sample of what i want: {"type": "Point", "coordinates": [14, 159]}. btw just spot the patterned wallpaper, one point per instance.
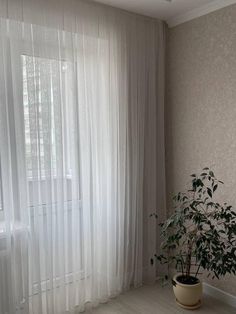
{"type": "Point", "coordinates": [201, 106]}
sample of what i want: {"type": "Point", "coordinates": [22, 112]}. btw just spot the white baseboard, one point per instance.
{"type": "Point", "coordinates": [219, 294]}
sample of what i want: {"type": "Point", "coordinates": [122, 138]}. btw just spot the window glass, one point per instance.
{"type": "Point", "coordinates": [48, 111]}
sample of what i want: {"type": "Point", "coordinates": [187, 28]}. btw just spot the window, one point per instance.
{"type": "Point", "coordinates": [48, 109]}
{"type": "Point", "coordinates": [43, 106]}
{"type": "Point", "coordinates": [47, 115]}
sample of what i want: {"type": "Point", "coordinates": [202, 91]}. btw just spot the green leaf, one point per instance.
{"type": "Point", "coordinates": [215, 187]}
{"type": "Point", "coordinates": [209, 192]}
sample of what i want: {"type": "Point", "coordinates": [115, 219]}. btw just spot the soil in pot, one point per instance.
{"type": "Point", "coordinates": [187, 280]}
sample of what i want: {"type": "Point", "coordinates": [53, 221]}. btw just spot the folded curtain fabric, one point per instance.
{"type": "Point", "coordinates": [82, 153]}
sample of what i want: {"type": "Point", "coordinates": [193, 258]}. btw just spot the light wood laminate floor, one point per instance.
{"type": "Point", "coordinates": [157, 300]}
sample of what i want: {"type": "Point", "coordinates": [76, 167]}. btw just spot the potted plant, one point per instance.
{"type": "Point", "coordinates": [200, 234]}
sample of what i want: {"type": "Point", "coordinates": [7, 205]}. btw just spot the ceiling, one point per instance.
{"type": "Point", "coordinates": [173, 11]}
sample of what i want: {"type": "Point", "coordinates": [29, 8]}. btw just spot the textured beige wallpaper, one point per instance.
{"type": "Point", "coordinates": [201, 105]}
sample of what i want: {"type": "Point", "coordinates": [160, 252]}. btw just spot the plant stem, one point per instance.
{"type": "Point", "coordinates": [197, 270]}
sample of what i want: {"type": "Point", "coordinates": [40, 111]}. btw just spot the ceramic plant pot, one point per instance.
{"type": "Point", "coordinates": [189, 294]}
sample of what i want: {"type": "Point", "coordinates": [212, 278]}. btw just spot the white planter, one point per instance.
{"type": "Point", "coordinates": [187, 295]}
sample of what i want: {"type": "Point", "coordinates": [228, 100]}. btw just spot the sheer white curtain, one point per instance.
{"type": "Point", "coordinates": [79, 97]}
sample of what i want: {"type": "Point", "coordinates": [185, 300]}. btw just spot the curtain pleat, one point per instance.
{"type": "Point", "coordinates": [80, 115]}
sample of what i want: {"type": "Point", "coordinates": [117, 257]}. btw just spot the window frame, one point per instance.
{"type": "Point", "coordinates": [17, 50]}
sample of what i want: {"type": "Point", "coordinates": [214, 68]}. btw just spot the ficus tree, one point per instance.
{"type": "Point", "coordinates": [201, 233]}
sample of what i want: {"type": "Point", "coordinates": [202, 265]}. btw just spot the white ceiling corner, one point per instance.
{"type": "Point", "coordinates": [199, 11]}
{"type": "Point", "coordinates": [174, 12]}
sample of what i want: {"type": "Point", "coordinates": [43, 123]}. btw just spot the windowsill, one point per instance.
{"type": "Point", "coordinates": [16, 228]}
{"type": "Point", "coordinates": [44, 178]}
{"type": "Point", "coordinates": [19, 227]}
